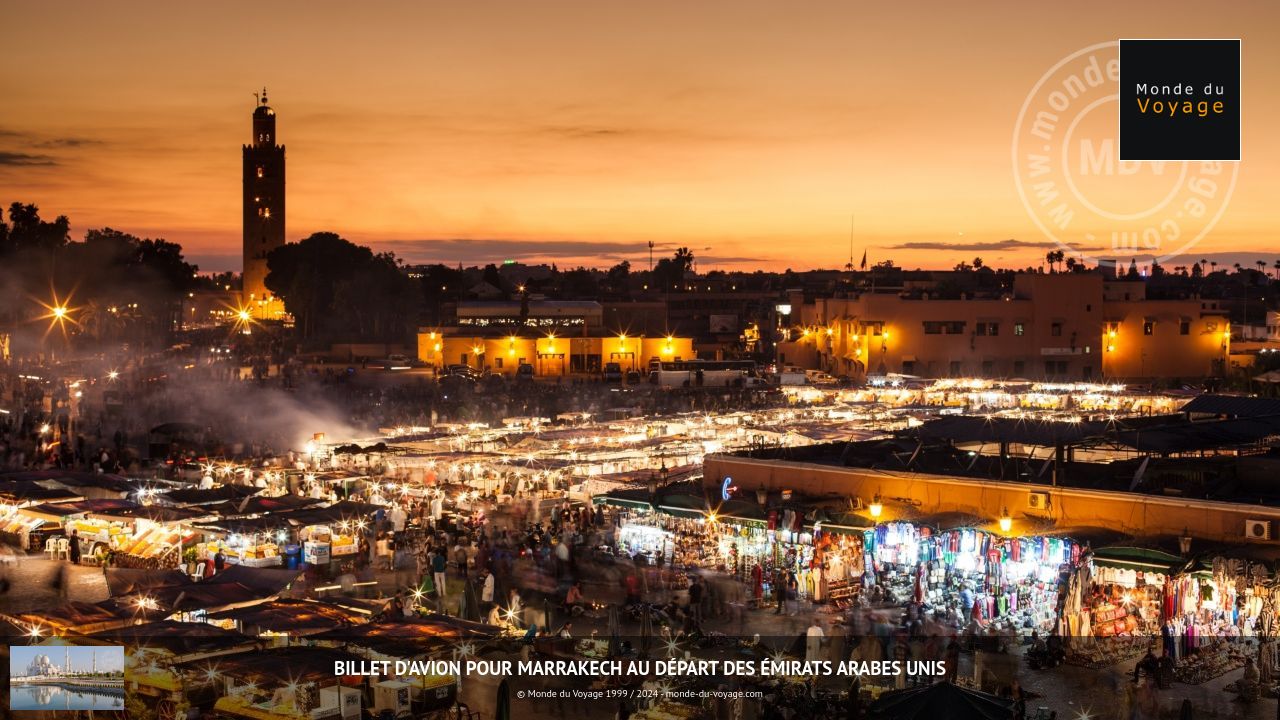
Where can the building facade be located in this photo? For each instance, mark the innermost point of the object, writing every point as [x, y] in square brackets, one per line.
[264, 211]
[555, 337]
[1068, 327]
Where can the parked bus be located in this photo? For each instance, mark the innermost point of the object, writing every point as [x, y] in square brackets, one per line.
[705, 373]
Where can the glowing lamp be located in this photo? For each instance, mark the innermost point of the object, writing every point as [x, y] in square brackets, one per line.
[876, 507]
[1006, 522]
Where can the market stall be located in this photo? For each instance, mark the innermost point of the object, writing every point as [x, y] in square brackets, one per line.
[969, 573]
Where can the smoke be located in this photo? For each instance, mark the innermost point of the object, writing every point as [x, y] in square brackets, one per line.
[240, 417]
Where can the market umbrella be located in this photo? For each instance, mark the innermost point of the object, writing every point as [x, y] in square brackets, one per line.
[503, 711]
[940, 700]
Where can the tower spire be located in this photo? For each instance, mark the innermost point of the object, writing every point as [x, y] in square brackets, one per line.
[264, 94]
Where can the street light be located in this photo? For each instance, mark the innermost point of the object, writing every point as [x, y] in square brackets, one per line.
[1006, 522]
[876, 507]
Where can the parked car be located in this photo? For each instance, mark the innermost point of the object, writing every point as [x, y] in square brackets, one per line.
[524, 373]
[463, 371]
[612, 372]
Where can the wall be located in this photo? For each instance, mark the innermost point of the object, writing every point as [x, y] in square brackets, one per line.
[911, 495]
[1050, 326]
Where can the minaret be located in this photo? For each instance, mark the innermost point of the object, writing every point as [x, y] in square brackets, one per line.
[95, 661]
[263, 210]
[66, 661]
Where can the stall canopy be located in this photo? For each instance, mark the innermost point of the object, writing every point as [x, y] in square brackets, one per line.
[128, 581]
[1140, 559]
[295, 617]
[179, 638]
[941, 700]
[211, 496]
[233, 587]
[258, 504]
[1020, 431]
[337, 512]
[289, 665]
[1206, 435]
[26, 491]
[698, 506]
[57, 511]
[73, 617]
[412, 637]
[72, 479]
[1234, 406]
[155, 513]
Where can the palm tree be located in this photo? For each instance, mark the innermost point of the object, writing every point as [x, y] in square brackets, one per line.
[1262, 266]
[1277, 267]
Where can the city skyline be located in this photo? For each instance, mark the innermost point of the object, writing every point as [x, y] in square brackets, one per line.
[575, 133]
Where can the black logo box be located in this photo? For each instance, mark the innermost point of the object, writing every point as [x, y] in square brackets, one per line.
[1208, 132]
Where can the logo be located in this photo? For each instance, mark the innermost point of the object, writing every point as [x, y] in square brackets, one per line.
[1180, 99]
[727, 488]
[1089, 202]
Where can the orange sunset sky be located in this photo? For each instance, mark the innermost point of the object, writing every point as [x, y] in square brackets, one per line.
[577, 132]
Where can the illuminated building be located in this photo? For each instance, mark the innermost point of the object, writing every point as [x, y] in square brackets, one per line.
[264, 210]
[1069, 327]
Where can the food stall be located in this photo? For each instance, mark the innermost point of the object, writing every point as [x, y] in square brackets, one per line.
[432, 637]
[292, 682]
[97, 533]
[24, 531]
[158, 537]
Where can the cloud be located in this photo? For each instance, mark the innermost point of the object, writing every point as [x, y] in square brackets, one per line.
[17, 159]
[979, 246]
[586, 132]
[67, 142]
[588, 252]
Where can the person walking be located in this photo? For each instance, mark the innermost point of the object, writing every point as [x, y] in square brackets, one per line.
[73, 548]
[439, 564]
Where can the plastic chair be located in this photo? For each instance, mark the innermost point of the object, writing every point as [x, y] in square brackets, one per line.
[199, 573]
[64, 548]
[51, 546]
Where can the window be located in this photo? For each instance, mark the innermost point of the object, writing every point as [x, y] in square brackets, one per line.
[1056, 329]
[1019, 329]
[1019, 368]
[908, 367]
[497, 362]
[943, 327]
[1087, 373]
[259, 171]
[987, 329]
[1148, 328]
[955, 368]
[1088, 307]
[462, 359]
[988, 368]
[1184, 327]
